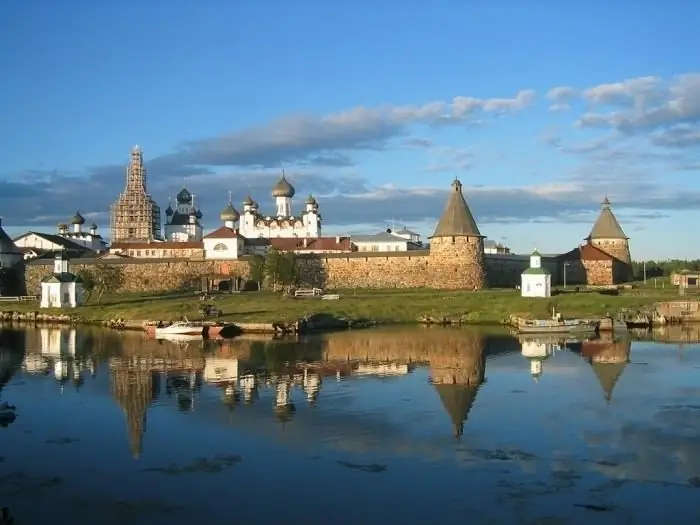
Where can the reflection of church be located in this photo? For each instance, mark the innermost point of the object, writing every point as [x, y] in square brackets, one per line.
[608, 358]
[57, 354]
[537, 351]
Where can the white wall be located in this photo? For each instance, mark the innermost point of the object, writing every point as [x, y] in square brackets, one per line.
[536, 285]
[213, 248]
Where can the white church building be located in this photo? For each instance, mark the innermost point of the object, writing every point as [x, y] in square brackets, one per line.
[61, 289]
[225, 242]
[536, 281]
[283, 222]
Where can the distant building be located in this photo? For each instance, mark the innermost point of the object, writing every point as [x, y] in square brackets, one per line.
[90, 239]
[536, 281]
[182, 224]
[387, 241]
[44, 245]
[11, 266]
[135, 216]
[493, 247]
[283, 222]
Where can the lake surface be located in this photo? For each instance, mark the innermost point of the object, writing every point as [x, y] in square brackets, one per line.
[392, 426]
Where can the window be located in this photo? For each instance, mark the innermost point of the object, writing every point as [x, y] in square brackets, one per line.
[221, 247]
[375, 247]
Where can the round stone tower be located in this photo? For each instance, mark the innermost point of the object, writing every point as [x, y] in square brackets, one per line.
[607, 235]
[457, 246]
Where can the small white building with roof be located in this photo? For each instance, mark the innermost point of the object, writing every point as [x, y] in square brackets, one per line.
[536, 281]
[61, 289]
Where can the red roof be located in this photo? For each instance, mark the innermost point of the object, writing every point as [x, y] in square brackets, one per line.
[224, 232]
[312, 243]
[586, 252]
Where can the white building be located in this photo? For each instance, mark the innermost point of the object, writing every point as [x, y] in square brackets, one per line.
[493, 248]
[182, 224]
[387, 242]
[225, 242]
[536, 352]
[61, 289]
[89, 239]
[283, 222]
[536, 281]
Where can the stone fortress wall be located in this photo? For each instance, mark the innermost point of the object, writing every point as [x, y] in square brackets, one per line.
[415, 269]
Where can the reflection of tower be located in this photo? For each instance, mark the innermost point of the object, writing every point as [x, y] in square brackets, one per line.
[284, 408]
[230, 396]
[536, 352]
[249, 388]
[312, 386]
[457, 374]
[608, 358]
[132, 386]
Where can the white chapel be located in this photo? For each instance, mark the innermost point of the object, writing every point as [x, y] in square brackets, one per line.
[61, 289]
[536, 281]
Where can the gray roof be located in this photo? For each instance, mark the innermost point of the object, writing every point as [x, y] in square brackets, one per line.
[457, 220]
[535, 271]
[406, 231]
[180, 219]
[606, 227]
[7, 245]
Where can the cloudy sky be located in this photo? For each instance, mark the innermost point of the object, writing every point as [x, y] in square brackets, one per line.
[540, 111]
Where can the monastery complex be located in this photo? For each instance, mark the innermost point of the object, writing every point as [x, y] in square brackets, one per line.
[178, 254]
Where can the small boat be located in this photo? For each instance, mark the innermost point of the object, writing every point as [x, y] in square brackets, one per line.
[180, 328]
[556, 325]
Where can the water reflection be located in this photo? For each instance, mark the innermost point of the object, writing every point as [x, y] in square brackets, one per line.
[460, 400]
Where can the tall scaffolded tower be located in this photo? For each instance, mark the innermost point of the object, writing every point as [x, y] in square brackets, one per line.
[135, 216]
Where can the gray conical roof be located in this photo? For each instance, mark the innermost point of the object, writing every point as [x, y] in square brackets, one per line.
[608, 374]
[457, 220]
[458, 401]
[606, 227]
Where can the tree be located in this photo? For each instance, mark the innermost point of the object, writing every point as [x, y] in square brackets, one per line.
[88, 282]
[107, 277]
[280, 268]
[257, 269]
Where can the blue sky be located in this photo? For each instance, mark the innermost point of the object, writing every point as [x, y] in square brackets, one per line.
[540, 108]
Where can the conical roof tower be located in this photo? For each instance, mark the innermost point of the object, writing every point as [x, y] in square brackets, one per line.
[608, 235]
[457, 246]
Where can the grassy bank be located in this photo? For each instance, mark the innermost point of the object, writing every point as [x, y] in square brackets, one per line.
[399, 306]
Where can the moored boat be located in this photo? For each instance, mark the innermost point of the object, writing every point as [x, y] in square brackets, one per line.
[180, 328]
[555, 325]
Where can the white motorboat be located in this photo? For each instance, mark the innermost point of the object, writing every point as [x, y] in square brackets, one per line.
[180, 328]
[179, 338]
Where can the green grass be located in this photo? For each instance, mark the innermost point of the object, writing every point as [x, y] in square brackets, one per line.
[399, 306]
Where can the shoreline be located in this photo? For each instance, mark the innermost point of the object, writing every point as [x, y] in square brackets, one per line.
[313, 323]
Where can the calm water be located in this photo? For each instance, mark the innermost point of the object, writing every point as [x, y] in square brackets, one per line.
[416, 426]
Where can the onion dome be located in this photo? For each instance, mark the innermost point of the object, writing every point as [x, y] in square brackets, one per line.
[229, 213]
[255, 205]
[93, 226]
[62, 226]
[78, 219]
[310, 200]
[248, 201]
[198, 214]
[169, 211]
[184, 197]
[283, 188]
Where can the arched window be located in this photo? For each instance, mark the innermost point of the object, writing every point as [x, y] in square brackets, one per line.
[221, 247]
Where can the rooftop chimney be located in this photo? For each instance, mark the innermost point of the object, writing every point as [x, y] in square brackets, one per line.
[337, 239]
[306, 242]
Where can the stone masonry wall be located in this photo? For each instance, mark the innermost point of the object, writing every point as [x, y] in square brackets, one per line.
[599, 273]
[441, 268]
[147, 276]
[457, 263]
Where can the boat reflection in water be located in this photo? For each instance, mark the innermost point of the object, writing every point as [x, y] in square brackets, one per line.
[339, 408]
